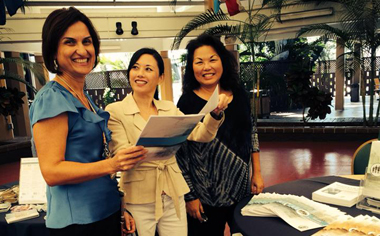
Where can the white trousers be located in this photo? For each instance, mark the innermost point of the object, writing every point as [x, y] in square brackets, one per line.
[168, 225]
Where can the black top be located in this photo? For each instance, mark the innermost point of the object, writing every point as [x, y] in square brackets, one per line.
[218, 172]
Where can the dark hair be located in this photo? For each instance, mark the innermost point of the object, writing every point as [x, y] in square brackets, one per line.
[229, 78]
[149, 51]
[55, 26]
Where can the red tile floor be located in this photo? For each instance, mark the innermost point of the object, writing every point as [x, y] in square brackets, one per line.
[280, 161]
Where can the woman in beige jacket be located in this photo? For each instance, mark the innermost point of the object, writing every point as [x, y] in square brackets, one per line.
[154, 190]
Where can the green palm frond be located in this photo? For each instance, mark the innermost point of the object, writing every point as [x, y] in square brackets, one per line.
[226, 29]
[35, 68]
[377, 39]
[6, 29]
[16, 77]
[262, 26]
[199, 21]
[230, 30]
[325, 30]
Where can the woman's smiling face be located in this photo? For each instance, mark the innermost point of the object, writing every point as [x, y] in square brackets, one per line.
[76, 53]
[207, 66]
[145, 75]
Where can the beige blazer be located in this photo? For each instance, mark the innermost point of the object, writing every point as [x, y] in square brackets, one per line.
[146, 181]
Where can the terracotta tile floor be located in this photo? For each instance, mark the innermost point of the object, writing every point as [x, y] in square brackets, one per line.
[280, 161]
[286, 161]
[9, 172]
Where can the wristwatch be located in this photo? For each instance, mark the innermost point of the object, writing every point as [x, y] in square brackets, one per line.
[217, 117]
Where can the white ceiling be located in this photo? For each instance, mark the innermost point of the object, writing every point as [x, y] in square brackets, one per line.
[38, 6]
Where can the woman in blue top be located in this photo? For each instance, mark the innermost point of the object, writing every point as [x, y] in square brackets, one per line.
[71, 134]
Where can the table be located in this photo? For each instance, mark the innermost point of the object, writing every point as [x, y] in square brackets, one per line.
[275, 226]
[32, 227]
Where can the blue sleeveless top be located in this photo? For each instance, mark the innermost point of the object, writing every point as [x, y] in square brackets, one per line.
[92, 200]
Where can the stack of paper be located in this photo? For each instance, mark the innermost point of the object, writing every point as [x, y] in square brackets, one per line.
[349, 226]
[4, 207]
[22, 215]
[298, 211]
[338, 194]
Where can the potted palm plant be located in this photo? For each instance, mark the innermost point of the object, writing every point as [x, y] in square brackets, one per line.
[11, 98]
[358, 25]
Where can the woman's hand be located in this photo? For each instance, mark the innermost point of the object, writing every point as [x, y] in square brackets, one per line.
[194, 209]
[257, 184]
[125, 159]
[222, 104]
[129, 225]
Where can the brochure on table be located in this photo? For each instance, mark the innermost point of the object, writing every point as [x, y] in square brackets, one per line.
[370, 185]
[32, 186]
[298, 211]
[347, 225]
[163, 135]
[22, 215]
[337, 194]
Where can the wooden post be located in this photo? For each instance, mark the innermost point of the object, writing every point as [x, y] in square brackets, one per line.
[166, 88]
[209, 5]
[339, 76]
[40, 60]
[233, 49]
[6, 133]
[21, 120]
[357, 73]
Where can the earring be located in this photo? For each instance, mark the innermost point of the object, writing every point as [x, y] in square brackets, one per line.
[55, 64]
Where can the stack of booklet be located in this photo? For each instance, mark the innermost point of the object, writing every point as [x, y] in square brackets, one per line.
[349, 226]
[298, 211]
[22, 215]
[337, 194]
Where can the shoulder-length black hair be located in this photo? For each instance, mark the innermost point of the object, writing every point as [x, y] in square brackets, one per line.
[149, 51]
[55, 26]
[229, 78]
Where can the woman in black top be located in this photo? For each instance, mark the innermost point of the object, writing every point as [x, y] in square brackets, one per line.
[218, 173]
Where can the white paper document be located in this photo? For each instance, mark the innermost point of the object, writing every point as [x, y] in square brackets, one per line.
[212, 102]
[337, 194]
[163, 135]
[299, 212]
[32, 184]
[22, 215]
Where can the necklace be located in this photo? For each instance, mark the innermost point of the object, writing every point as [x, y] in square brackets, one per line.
[76, 94]
[106, 152]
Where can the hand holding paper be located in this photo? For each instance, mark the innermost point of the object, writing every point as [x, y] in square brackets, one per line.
[222, 104]
[212, 102]
[163, 135]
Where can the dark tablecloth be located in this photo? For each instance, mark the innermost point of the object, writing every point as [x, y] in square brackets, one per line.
[32, 227]
[270, 226]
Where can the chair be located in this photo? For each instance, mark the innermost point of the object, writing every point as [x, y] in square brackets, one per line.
[361, 157]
